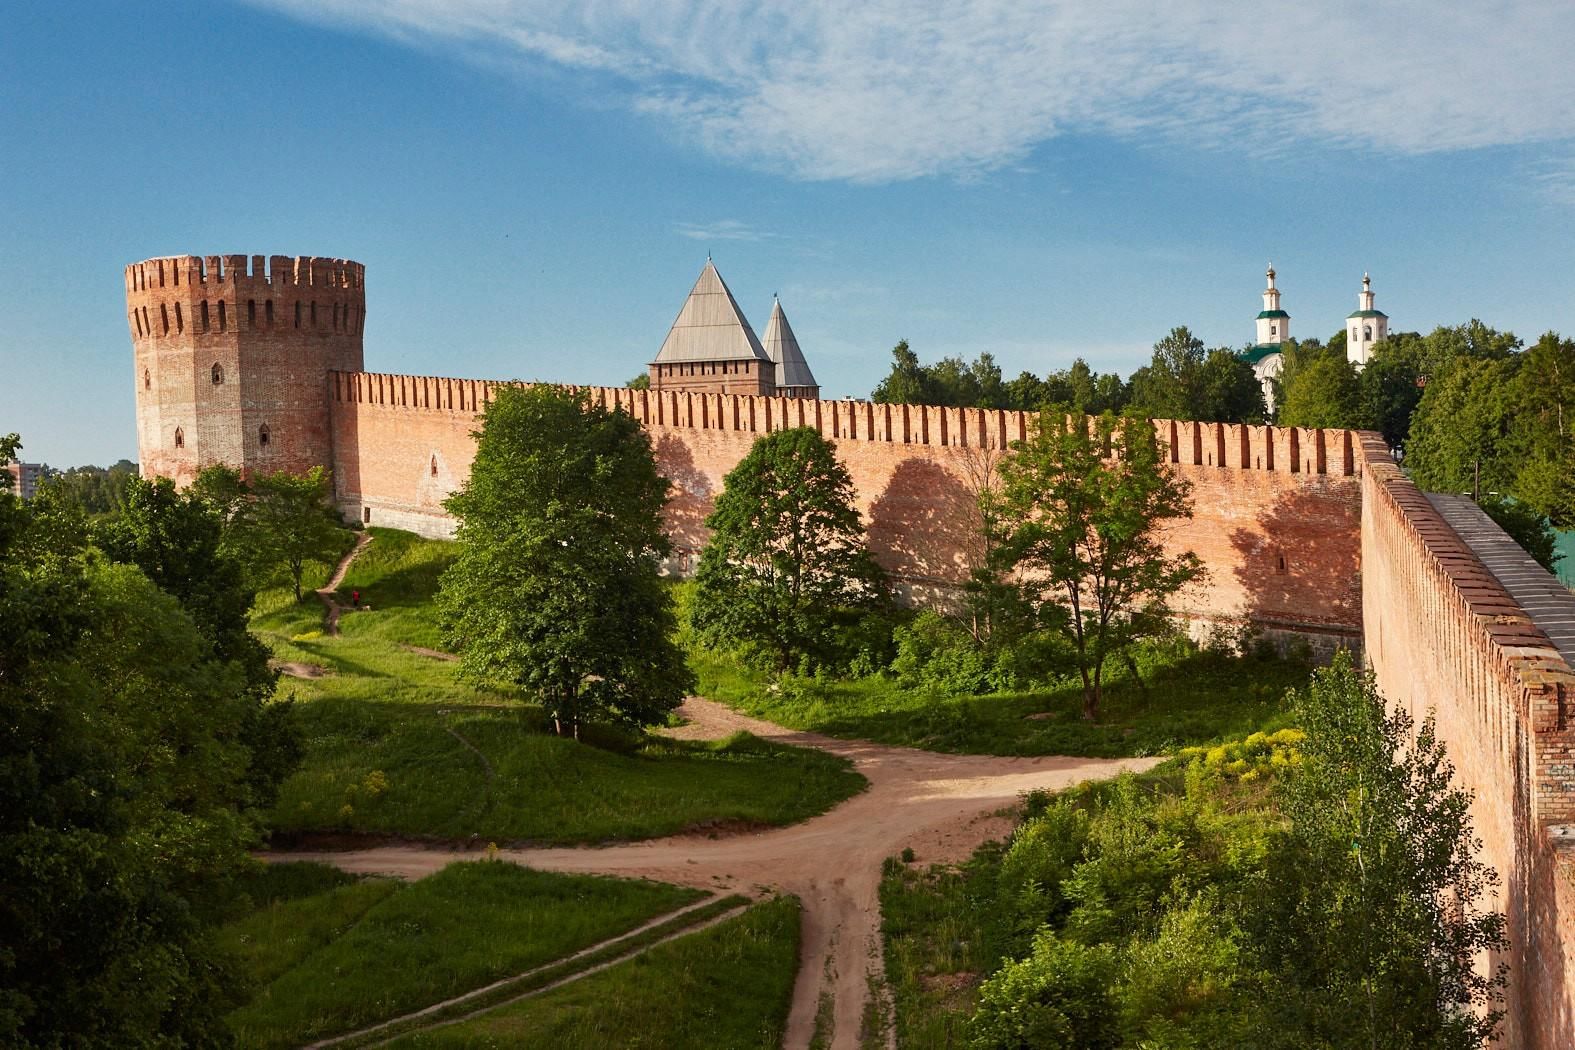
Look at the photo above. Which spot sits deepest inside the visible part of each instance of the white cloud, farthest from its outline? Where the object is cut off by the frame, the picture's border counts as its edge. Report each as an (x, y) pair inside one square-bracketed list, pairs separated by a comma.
[(721, 230), (889, 89)]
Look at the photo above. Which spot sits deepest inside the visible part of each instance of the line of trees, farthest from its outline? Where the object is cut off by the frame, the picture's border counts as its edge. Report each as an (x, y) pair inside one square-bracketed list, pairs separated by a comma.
[(1183, 380), (1467, 409), (140, 744)]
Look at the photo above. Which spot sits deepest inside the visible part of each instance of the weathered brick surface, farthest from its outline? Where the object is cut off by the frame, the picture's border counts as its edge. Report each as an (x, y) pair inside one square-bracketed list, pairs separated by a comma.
[(1443, 636), (714, 377), (1281, 545), (274, 330)]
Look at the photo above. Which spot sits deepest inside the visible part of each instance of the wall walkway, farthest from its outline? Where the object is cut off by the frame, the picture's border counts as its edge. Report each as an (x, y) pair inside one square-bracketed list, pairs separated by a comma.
[(1444, 636)]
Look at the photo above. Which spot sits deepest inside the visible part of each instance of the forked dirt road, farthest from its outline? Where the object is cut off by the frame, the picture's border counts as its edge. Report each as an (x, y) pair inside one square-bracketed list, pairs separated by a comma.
[(942, 806)]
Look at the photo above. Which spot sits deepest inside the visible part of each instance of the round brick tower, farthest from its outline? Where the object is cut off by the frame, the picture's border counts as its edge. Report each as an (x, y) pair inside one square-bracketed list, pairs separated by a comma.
[(232, 363)]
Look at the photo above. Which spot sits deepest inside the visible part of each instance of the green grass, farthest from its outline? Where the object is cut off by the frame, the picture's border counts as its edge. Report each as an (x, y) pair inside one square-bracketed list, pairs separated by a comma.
[(401, 769), (417, 944), (1187, 697), (399, 744), (281, 934), (727, 988), (940, 945)]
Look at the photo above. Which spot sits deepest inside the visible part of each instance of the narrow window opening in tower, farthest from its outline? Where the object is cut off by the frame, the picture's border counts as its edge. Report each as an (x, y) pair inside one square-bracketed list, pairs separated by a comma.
[(180, 319), (147, 326), (136, 323), (434, 466), (262, 434), (180, 438), (147, 380), (205, 326), (224, 324), (218, 373), (251, 313), (161, 273), (164, 318), (297, 315), (1282, 563), (366, 515), (268, 312), (1367, 334), (1274, 329)]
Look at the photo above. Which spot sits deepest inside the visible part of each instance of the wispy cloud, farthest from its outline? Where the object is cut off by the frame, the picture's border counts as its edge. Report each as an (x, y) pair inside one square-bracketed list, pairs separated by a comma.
[(721, 230), (887, 89)]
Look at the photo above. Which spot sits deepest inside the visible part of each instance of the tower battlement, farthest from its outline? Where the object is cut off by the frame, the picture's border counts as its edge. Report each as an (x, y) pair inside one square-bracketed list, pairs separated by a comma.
[(275, 271), (232, 354)]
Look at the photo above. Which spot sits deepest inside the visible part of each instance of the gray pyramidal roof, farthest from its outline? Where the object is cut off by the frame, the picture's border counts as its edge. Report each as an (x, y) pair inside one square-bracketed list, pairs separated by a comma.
[(782, 347), (710, 327)]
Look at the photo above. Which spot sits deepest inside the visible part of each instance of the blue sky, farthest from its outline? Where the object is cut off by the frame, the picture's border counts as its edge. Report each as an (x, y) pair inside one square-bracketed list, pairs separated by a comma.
[(534, 186)]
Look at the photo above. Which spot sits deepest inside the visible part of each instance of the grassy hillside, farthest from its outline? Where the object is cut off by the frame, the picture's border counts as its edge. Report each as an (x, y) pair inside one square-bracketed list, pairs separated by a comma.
[(398, 744)]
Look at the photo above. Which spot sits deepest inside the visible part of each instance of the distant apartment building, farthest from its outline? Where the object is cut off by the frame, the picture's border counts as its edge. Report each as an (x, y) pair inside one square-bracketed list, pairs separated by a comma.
[(25, 477)]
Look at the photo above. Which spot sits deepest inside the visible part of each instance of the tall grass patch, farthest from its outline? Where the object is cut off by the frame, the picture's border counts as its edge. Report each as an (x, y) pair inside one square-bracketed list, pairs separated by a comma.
[(470, 924)]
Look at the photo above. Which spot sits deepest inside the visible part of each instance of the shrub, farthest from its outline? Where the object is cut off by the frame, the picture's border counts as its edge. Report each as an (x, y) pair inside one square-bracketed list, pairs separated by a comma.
[(1041, 856), (1057, 997), (1259, 755), (935, 651)]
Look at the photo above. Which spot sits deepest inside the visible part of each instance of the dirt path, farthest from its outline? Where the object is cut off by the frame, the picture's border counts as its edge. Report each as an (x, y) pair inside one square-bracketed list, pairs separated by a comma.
[(941, 806), (325, 593)]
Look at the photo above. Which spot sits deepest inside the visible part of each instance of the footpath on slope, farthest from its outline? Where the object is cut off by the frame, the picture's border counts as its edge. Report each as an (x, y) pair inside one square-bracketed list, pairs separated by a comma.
[(326, 592), (941, 806), (331, 608)]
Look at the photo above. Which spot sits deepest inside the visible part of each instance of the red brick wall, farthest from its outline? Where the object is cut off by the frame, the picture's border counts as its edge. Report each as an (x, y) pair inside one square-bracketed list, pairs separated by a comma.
[(1280, 542), (275, 330), (1442, 635), (743, 376)]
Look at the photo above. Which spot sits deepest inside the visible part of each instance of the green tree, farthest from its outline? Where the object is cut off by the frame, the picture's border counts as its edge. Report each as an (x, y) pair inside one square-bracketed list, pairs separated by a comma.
[(176, 539), (1228, 390), (1390, 388), (1374, 898), (125, 798), (906, 383), (291, 519), (787, 550), (1167, 387), (96, 490), (557, 588), (1324, 393), (1184, 381), (640, 382), (1461, 435), (1082, 535)]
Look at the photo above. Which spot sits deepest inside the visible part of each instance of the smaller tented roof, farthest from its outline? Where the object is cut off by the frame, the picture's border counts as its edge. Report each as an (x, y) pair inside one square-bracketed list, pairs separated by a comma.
[(782, 347)]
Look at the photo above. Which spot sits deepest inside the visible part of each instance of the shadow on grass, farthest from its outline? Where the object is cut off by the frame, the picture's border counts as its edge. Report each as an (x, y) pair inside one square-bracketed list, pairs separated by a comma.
[(1186, 697), (385, 767)]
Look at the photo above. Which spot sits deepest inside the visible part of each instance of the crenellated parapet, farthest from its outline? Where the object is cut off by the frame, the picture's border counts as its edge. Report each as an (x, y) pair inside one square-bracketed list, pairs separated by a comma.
[(190, 294), (1285, 450)]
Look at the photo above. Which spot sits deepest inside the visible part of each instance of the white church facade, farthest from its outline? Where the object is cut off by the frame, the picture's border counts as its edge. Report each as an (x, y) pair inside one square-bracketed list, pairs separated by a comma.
[(1364, 330)]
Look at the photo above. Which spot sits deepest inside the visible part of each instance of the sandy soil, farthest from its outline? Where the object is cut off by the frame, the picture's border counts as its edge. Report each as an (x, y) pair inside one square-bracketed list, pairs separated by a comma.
[(941, 806), (298, 670)]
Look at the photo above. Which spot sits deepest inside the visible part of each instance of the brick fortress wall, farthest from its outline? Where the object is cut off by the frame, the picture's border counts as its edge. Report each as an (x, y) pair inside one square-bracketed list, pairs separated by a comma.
[(1443, 635), (274, 330), (1276, 511)]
